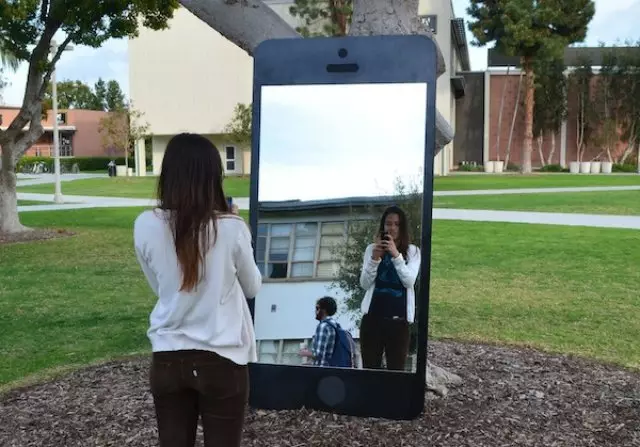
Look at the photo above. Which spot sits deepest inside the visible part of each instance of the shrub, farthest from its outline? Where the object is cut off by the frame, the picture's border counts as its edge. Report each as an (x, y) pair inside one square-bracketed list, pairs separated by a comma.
[(512, 167), (553, 168), (627, 167)]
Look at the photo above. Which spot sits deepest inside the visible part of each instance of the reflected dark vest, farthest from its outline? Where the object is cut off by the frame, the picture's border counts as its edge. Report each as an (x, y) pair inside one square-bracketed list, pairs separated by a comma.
[(389, 298)]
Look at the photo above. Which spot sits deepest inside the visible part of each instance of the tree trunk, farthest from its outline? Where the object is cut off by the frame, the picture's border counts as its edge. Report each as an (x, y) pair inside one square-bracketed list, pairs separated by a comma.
[(554, 135), (527, 146), (540, 141), (248, 22), (9, 220), (513, 121), (504, 94)]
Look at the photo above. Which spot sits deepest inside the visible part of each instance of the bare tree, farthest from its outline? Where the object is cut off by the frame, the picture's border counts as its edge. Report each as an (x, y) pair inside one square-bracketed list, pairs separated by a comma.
[(249, 22)]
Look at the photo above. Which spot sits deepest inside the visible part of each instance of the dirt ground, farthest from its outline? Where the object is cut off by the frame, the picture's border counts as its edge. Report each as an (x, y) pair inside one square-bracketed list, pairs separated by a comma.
[(510, 397)]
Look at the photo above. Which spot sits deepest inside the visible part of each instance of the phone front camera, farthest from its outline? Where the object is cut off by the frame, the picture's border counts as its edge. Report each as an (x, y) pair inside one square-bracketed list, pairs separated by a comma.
[(342, 52)]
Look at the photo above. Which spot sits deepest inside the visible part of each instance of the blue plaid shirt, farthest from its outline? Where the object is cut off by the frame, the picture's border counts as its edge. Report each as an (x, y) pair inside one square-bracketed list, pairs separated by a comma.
[(323, 343)]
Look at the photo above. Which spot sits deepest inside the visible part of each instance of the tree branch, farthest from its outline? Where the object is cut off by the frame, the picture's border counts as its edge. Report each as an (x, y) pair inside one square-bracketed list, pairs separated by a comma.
[(246, 23)]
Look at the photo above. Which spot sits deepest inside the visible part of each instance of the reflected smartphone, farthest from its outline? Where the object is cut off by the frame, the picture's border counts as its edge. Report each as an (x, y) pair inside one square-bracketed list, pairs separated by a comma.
[(383, 235), (300, 86)]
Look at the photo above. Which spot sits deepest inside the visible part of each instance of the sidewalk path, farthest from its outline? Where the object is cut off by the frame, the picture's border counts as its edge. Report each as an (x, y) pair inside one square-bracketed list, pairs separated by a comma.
[(44, 179), (528, 217), (495, 192)]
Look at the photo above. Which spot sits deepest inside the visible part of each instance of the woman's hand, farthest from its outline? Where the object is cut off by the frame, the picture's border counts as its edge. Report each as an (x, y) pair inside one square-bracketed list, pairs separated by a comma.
[(390, 246), (378, 249), (305, 353), (235, 210)]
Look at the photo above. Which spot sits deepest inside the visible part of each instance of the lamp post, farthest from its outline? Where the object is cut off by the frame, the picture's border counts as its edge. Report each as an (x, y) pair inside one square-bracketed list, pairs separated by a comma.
[(57, 195)]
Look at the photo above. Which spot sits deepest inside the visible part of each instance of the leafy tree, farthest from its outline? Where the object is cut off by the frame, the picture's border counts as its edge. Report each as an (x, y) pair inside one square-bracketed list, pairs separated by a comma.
[(630, 103), (100, 92), (114, 97), (550, 109), (7, 58), (71, 95), (323, 17), (27, 29), (530, 29), (581, 90), (121, 129), (239, 128)]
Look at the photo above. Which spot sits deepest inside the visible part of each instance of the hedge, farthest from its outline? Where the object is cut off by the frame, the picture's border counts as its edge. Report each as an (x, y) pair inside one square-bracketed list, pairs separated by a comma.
[(84, 163)]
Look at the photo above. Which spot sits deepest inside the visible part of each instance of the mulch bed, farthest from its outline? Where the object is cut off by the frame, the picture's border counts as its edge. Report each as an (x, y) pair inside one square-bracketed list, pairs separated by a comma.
[(509, 397), (32, 236)]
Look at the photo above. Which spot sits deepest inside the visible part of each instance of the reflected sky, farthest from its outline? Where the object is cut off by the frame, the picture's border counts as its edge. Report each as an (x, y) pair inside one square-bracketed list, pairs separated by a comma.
[(331, 141)]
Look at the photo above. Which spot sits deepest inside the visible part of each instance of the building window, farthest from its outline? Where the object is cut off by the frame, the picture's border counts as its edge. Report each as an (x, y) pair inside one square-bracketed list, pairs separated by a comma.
[(66, 150), (430, 21), (230, 157), (299, 250)]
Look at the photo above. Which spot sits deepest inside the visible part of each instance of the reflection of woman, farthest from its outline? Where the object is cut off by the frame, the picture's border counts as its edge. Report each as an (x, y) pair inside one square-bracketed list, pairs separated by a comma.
[(389, 273), (196, 255)]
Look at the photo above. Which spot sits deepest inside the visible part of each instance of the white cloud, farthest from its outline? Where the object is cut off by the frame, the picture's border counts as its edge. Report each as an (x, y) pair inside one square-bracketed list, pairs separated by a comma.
[(314, 137)]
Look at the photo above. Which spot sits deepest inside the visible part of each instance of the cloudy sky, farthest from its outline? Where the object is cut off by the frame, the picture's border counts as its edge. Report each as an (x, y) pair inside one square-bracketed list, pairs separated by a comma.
[(615, 19), (312, 137)]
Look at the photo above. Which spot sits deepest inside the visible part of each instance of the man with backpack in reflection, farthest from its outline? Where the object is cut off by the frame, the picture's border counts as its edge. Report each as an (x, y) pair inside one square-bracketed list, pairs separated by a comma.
[(331, 345)]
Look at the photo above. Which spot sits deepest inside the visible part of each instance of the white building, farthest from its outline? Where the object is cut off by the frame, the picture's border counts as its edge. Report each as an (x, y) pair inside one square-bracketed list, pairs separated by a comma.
[(189, 78)]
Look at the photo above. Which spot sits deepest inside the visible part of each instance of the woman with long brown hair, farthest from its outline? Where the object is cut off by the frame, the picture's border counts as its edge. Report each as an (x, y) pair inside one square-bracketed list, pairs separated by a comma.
[(197, 257), (389, 271)]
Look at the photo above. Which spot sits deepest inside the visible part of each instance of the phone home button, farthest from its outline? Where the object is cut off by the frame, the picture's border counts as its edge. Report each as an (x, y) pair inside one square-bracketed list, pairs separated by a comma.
[(331, 391)]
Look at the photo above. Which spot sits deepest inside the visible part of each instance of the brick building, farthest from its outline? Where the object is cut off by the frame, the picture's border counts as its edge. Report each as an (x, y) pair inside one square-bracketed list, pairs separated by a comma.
[(78, 130), (478, 133)]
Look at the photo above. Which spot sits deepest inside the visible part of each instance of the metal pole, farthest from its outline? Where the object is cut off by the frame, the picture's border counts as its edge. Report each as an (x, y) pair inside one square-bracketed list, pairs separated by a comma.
[(57, 196)]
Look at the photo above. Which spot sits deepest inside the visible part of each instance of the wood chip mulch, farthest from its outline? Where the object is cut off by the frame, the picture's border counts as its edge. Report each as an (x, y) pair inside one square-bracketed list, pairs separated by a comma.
[(32, 236), (510, 397)]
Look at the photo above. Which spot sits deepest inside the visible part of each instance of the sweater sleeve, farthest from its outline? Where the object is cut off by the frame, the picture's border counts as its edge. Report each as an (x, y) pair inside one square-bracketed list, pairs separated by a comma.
[(248, 273), (369, 269), (142, 250), (408, 271)]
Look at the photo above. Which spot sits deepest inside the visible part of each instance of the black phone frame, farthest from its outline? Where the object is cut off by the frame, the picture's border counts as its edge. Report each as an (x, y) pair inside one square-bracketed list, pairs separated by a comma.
[(348, 60)]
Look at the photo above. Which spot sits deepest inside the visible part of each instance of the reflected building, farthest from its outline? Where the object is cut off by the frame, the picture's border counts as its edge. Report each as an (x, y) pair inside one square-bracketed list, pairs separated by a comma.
[(295, 253)]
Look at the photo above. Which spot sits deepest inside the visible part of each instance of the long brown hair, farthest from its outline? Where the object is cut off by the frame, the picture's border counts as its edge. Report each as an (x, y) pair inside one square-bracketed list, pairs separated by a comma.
[(403, 236), (190, 189)]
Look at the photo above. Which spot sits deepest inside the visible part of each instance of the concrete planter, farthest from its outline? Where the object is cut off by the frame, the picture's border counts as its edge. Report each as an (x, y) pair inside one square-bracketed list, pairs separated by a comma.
[(121, 171), (129, 172), (607, 167), (490, 167), (574, 167), (498, 167), (585, 167), (595, 167)]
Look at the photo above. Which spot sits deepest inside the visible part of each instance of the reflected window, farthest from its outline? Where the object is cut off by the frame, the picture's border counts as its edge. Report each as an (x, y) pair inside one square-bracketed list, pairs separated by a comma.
[(299, 250)]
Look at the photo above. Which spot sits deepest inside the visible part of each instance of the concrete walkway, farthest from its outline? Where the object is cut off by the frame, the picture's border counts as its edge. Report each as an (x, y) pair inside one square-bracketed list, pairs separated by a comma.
[(494, 192), (73, 201), (44, 179), (529, 217)]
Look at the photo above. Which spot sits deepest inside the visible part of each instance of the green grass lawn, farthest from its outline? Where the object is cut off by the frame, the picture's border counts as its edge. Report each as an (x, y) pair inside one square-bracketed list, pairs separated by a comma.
[(133, 187), (609, 202), (31, 202), (512, 181), (143, 187), (73, 301)]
